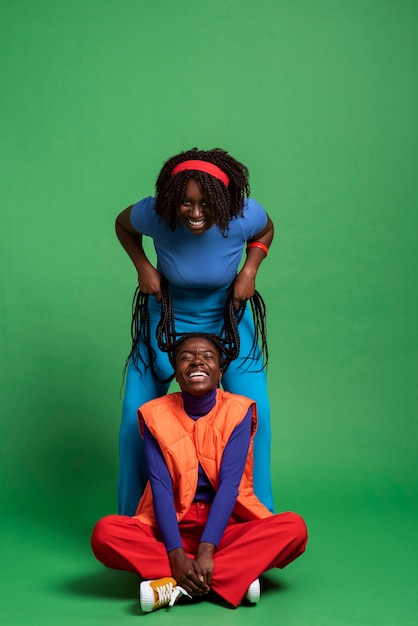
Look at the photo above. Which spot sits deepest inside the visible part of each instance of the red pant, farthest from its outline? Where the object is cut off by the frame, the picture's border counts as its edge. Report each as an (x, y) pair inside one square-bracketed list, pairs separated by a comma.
[(245, 551)]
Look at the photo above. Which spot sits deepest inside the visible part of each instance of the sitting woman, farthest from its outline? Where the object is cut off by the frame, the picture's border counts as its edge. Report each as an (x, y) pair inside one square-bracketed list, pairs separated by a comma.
[(199, 520)]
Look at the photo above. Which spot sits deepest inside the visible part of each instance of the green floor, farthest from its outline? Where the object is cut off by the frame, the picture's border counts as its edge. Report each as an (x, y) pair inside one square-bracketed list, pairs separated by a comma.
[(360, 569)]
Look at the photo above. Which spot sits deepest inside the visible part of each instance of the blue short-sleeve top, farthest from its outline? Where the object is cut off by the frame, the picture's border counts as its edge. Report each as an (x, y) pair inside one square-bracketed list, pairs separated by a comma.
[(206, 261)]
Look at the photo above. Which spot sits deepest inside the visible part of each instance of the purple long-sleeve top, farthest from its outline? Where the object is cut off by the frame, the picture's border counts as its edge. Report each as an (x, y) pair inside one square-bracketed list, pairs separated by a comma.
[(230, 474)]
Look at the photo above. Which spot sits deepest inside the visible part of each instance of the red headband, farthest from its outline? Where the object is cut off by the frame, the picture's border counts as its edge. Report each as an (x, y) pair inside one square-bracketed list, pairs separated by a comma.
[(202, 166)]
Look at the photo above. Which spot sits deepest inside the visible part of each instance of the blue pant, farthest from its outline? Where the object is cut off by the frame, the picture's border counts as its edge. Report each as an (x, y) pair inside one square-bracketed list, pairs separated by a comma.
[(195, 311)]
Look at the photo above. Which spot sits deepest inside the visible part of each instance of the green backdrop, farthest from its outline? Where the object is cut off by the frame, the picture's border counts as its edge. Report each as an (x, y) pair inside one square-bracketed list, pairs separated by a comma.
[(319, 99)]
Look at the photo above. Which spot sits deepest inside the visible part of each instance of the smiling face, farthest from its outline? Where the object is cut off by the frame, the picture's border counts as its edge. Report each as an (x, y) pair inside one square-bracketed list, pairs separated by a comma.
[(198, 366), (194, 210)]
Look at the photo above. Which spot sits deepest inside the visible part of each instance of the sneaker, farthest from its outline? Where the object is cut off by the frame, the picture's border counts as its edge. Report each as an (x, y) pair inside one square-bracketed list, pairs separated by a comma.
[(253, 592), (153, 594)]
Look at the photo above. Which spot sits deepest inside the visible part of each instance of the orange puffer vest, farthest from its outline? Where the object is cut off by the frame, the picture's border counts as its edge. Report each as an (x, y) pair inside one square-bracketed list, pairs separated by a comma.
[(185, 443)]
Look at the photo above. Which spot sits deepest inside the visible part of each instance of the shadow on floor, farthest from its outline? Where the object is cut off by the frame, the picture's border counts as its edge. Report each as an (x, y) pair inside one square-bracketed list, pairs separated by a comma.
[(119, 585), (104, 584)]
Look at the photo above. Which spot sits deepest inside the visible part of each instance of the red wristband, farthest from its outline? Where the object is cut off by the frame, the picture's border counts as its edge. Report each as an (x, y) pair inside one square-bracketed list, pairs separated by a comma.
[(258, 244)]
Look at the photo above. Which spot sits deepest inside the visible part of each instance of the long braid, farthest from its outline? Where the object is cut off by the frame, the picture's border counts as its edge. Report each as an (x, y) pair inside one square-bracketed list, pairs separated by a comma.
[(140, 327), (258, 310), (230, 330), (141, 332), (166, 330)]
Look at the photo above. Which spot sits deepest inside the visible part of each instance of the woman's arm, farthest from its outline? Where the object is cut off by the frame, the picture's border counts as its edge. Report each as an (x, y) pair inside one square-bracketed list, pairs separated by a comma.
[(162, 492), (149, 279), (244, 283), (230, 473), (187, 572)]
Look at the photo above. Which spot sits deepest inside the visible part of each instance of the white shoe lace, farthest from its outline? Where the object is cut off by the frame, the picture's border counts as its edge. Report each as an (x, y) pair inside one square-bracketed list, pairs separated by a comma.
[(164, 594), (178, 591)]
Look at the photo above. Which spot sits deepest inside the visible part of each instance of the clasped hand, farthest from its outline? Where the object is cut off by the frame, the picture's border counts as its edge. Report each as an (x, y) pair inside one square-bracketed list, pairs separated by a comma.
[(194, 575)]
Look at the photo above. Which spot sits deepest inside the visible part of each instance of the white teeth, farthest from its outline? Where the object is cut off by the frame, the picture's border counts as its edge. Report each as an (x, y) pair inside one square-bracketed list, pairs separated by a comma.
[(198, 375), (196, 222)]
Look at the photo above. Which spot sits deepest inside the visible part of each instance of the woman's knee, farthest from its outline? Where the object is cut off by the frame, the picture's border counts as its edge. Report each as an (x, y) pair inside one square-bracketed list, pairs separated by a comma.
[(102, 534), (299, 529)]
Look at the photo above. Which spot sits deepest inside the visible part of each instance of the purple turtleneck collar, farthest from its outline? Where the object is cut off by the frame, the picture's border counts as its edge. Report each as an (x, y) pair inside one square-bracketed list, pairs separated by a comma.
[(196, 406)]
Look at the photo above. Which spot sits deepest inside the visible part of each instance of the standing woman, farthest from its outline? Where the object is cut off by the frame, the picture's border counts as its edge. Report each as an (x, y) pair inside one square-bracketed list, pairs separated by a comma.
[(200, 220)]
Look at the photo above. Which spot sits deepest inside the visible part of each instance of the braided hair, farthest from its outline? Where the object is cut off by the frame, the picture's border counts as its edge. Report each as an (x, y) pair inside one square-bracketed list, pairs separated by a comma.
[(226, 203), (216, 341), (228, 342)]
